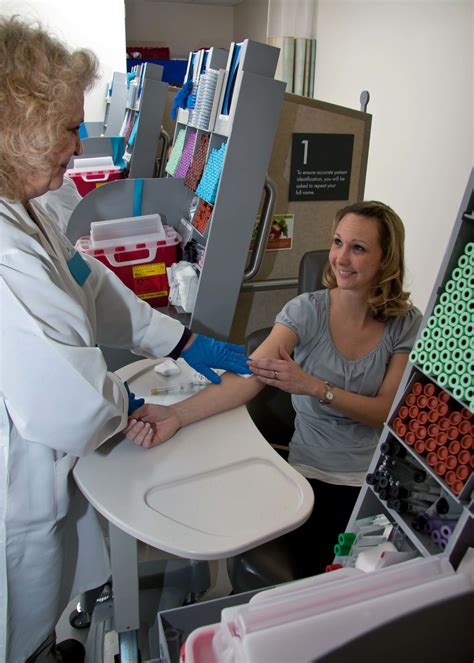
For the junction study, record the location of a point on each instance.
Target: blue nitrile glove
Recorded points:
(133, 403)
(206, 352)
(181, 98)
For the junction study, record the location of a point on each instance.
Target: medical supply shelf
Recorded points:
(412, 431)
(241, 130)
(147, 111)
(115, 104)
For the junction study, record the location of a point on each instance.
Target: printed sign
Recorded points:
(320, 167)
(281, 233)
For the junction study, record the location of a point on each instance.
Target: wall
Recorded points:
(416, 60)
(250, 20)
(182, 27)
(105, 35)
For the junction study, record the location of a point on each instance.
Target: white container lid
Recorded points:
(134, 229)
(93, 164)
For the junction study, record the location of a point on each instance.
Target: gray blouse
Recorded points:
(325, 438)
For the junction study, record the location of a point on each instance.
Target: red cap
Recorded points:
(429, 389)
(444, 423)
(464, 427)
(457, 487)
(440, 468)
(455, 417)
(432, 459)
(401, 430)
(417, 388)
(442, 438)
(462, 472)
(433, 415)
(430, 444)
(464, 457)
(452, 433)
(413, 424)
(419, 446)
(442, 453)
(443, 408)
(454, 447)
(403, 411)
(467, 442)
(432, 402)
(450, 477)
(422, 400)
(410, 438)
(443, 396)
(423, 417)
(397, 422)
(451, 462)
(410, 399)
(421, 432)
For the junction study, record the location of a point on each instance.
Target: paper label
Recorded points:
(150, 281)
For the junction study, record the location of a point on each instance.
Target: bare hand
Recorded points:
(151, 425)
(285, 374)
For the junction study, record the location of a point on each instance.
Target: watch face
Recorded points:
(329, 395)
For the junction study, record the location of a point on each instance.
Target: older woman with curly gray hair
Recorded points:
(57, 399)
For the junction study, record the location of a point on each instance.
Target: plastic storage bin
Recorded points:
(139, 262)
(88, 174)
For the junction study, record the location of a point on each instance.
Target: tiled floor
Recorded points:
(220, 586)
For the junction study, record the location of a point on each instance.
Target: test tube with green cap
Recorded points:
(346, 538)
(342, 551)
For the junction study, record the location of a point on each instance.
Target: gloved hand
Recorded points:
(133, 403)
(206, 353)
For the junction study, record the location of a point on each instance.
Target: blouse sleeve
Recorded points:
(405, 331)
(304, 315)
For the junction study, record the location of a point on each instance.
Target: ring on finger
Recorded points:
(275, 375)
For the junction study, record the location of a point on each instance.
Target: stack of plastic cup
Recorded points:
(445, 350)
(205, 99)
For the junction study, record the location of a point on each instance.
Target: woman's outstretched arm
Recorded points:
(154, 424)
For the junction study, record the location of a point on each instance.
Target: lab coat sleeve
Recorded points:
(125, 321)
(53, 378)
(58, 205)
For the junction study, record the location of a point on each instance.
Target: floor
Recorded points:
(220, 586)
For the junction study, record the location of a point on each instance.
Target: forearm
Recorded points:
(368, 410)
(232, 392)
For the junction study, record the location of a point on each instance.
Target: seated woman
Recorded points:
(351, 344)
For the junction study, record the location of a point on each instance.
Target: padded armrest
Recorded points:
(271, 410)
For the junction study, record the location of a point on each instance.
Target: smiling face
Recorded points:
(356, 253)
(68, 145)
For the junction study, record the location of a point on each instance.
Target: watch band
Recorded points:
(328, 396)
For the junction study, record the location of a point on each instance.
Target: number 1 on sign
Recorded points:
(305, 152)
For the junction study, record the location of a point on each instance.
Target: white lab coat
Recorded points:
(60, 203)
(57, 402)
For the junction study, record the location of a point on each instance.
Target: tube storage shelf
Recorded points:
(422, 474)
(220, 154)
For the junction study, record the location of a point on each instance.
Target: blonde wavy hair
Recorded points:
(388, 298)
(39, 78)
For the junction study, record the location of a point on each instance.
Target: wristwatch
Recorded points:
(328, 395)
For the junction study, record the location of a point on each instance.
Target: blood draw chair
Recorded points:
(273, 414)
